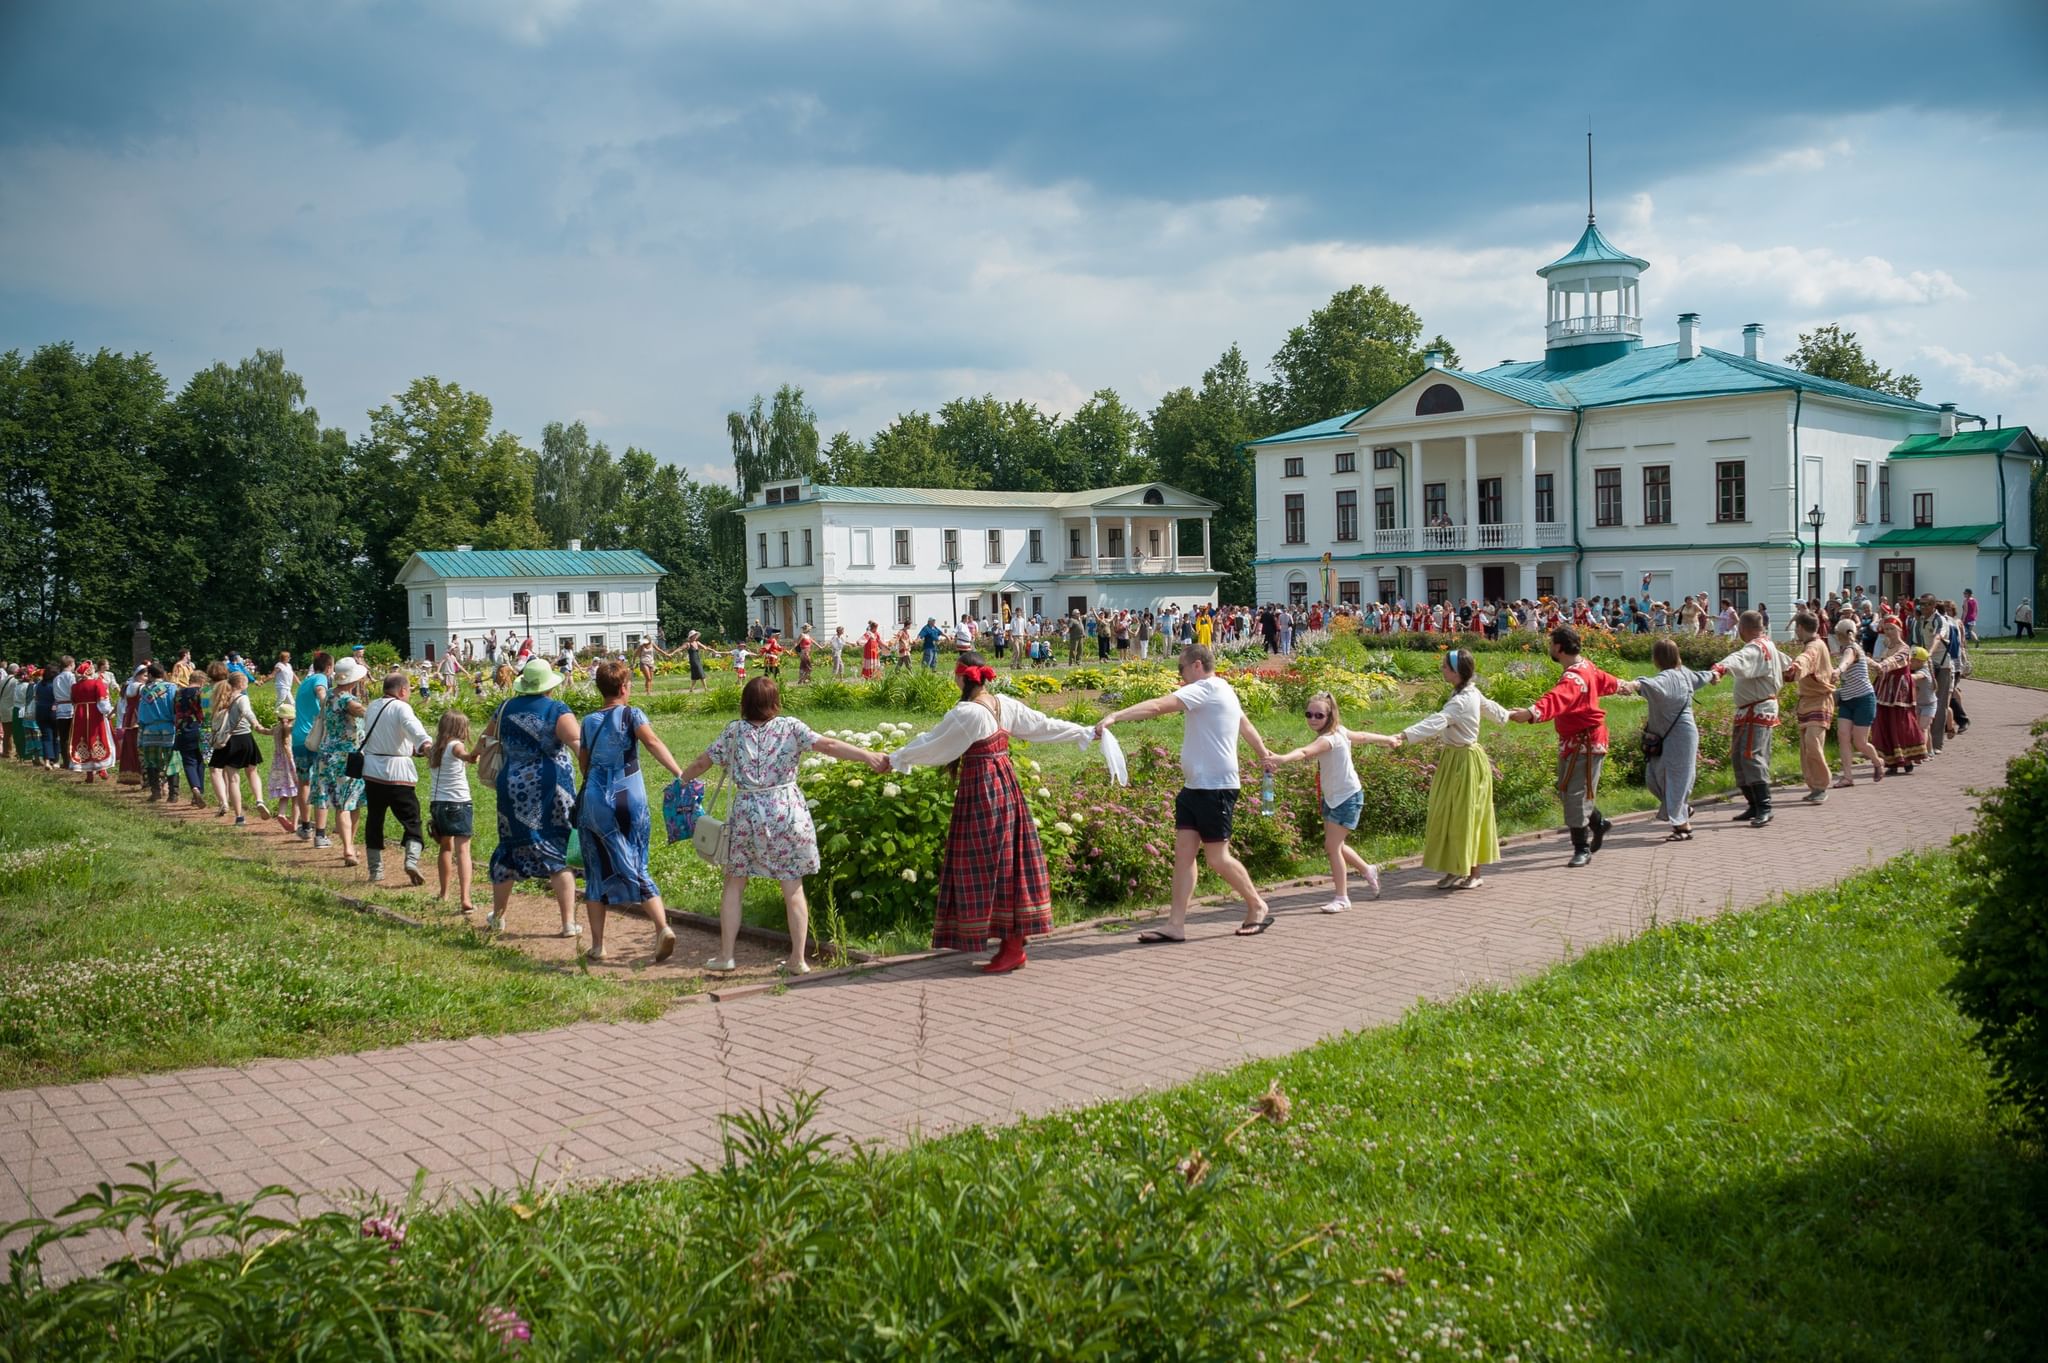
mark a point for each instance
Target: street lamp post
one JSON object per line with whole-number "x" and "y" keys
{"x": 952, "y": 567}
{"x": 1816, "y": 519}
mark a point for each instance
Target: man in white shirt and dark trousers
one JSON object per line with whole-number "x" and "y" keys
{"x": 392, "y": 737}
{"x": 60, "y": 688}
{"x": 1207, "y": 802}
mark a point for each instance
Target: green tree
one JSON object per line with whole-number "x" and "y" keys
{"x": 909, "y": 452}
{"x": 264, "y": 554}
{"x": 676, "y": 521}
{"x": 1099, "y": 446}
{"x": 772, "y": 441}
{"x": 429, "y": 474}
{"x": 1832, "y": 353}
{"x": 82, "y": 506}
{"x": 845, "y": 461}
{"x": 1196, "y": 442}
{"x": 1014, "y": 442}
{"x": 578, "y": 489}
{"x": 1352, "y": 351}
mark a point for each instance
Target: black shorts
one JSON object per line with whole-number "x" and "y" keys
{"x": 1207, "y": 812}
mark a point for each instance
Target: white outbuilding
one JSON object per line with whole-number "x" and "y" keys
{"x": 830, "y": 556}
{"x": 598, "y": 600}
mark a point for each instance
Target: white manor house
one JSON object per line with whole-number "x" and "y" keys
{"x": 1607, "y": 468}
{"x": 830, "y": 556}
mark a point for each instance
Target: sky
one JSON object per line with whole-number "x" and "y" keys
{"x": 638, "y": 215}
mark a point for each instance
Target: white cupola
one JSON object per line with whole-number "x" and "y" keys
{"x": 1595, "y": 301}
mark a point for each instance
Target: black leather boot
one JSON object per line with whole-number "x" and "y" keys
{"x": 1760, "y": 797}
{"x": 1599, "y": 824}
{"x": 1582, "y": 851}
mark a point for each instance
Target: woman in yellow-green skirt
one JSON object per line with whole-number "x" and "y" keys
{"x": 1461, "y": 836}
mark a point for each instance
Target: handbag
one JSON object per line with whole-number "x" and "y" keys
{"x": 708, "y": 834}
{"x": 353, "y": 764}
{"x": 1653, "y": 744}
{"x": 490, "y": 752}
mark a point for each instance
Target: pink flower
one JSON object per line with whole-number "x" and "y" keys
{"x": 506, "y": 1324}
{"x": 389, "y": 1229}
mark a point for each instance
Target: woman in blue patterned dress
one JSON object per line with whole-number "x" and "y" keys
{"x": 616, "y": 828}
{"x": 536, "y": 793}
{"x": 341, "y": 734}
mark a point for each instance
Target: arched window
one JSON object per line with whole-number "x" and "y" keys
{"x": 1153, "y": 497}
{"x": 1439, "y": 397}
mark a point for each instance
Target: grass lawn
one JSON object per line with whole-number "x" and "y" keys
{"x": 2015, "y": 662}
{"x": 1758, "y": 1137}
{"x": 141, "y": 944}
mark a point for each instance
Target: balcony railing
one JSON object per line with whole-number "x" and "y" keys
{"x": 1506, "y": 536}
{"x": 1599, "y": 323}
{"x": 1137, "y": 563}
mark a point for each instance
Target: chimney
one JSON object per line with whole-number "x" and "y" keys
{"x": 1688, "y": 336}
{"x": 461, "y": 548}
{"x": 575, "y": 546}
{"x": 1753, "y": 341}
{"x": 1948, "y": 420}
{"x": 1432, "y": 359}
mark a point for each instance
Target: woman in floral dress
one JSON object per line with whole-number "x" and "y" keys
{"x": 333, "y": 787}
{"x": 768, "y": 831}
{"x": 870, "y": 652}
{"x": 92, "y": 740}
{"x": 536, "y": 793}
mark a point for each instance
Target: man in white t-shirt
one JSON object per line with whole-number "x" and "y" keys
{"x": 1207, "y": 801}
{"x": 283, "y": 677}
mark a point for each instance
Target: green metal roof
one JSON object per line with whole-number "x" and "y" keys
{"x": 776, "y": 589}
{"x": 1593, "y": 249}
{"x": 946, "y": 496}
{"x": 1967, "y": 442}
{"x": 1315, "y": 430}
{"x": 1930, "y": 535}
{"x": 537, "y": 563}
{"x": 1657, "y": 374}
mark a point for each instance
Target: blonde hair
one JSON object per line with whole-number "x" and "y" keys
{"x": 223, "y": 696}
{"x": 453, "y": 728}
{"x": 1328, "y": 702}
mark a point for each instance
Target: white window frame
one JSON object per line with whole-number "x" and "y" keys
{"x": 1037, "y": 546}
{"x": 861, "y": 547}
{"x": 762, "y": 542}
{"x": 594, "y": 602}
{"x": 949, "y": 547}
{"x": 427, "y": 604}
{"x": 784, "y": 537}
{"x": 994, "y": 547}
{"x": 904, "y": 607}
{"x": 901, "y": 553}
{"x": 564, "y": 603}
{"x": 807, "y": 546}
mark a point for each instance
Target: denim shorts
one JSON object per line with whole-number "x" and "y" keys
{"x": 1347, "y": 813}
{"x": 1860, "y": 710}
{"x": 451, "y": 818}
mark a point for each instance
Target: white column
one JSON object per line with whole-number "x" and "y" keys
{"x": 1207, "y": 566}
{"x": 1130, "y": 542}
{"x": 1414, "y": 462}
{"x": 1471, "y": 487}
{"x": 1529, "y": 486}
{"x": 1094, "y": 544}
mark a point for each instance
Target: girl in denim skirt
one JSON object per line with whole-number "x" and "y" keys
{"x": 451, "y": 817}
{"x": 1339, "y": 791}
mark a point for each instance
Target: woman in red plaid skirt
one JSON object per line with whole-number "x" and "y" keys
{"x": 993, "y": 882}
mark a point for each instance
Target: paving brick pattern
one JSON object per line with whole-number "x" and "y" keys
{"x": 932, "y": 1044}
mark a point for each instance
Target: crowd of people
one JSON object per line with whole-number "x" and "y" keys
{"x": 1882, "y": 677}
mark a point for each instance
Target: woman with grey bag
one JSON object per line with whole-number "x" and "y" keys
{"x": 1671, "y": 736}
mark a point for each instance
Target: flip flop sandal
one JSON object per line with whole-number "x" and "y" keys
{"x": 1152, "y": 939}
{"x": 1679, "y": 835}
{"x": 1254, "y": 929}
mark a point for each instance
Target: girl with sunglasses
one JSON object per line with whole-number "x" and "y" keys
{"x": 1339, "y": 791}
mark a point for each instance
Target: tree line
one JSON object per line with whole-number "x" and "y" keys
{"x": 228, "y": 516}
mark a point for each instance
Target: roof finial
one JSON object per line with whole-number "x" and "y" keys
{"x": 1589, "y": 171}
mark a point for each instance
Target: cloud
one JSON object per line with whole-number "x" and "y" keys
{"x": 1991, "y": 373}
{"x": 1813, "y": 278}
{"x": 1802, "y": 160}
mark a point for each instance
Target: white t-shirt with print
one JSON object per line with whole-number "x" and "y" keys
{"x": 1340, "y": 777}
{"x": 1208, "y": 745}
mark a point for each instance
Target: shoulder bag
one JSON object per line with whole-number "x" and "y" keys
{"x": 708, "y": 836}
{"x": 1653, "y": 744}
{"x": 490, "y": 751}
{"x": 353, "y": 763}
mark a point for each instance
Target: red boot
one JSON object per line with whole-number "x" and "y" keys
{"x": 1008, "y": 957}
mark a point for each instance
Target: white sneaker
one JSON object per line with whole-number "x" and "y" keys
{"x": 1337, "y": 906}
{"x": 1372, "y": 879}
{"x": 572, "y": 931}
{"x": 721, "y": 964}
{"x": 494, "y": 922}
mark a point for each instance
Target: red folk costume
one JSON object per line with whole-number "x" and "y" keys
{"x": 1900, "y": 741}
{"x": 1573, "y": 707}
{"x": 92, "y": 739}
{"x": 870, "y": 655}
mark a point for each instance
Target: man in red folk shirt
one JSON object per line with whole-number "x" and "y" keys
{"x": 1573, "y": 705}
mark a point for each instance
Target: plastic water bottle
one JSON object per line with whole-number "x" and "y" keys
{"x": 1266, "y": 796}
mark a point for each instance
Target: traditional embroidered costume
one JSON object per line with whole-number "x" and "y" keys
{"x": 92, "y": 739}
{"x": 1814, "y": 669}
{"x": 1897, "y": 735}
{"x": 1573, "y": 706}
{"x": 1461, "y": 835}
{"x": 1758, "y": 669}
{"x": 993, "y": 881}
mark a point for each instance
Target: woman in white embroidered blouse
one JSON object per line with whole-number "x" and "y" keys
{"x": 993, "y": 881}
{"x": 1462, "y": 835}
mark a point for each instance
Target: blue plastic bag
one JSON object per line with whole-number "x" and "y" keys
{"x": 680, "y": 805}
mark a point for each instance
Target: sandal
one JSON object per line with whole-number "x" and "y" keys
{"x": 1446, "y": 883}
{"x": 666, "y": 946}
{"x": 1469, "y": 883}
{"x": 1254, "y": 929}
{"x": 721, "y": 964}
{"x": 1683, "y": 833}
{"x": 597, "y": 954}
{"x": 1156, "y": 938}
{"x": 1337, "y": 906}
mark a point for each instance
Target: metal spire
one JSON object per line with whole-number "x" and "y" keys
{"x": 1589, "y": 172}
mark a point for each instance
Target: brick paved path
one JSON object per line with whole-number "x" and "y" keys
{"x": 934, "y": 1045}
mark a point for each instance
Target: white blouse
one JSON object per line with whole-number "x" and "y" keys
{"x": 1457, "y": 724}
{"x": 969, "y": 722}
